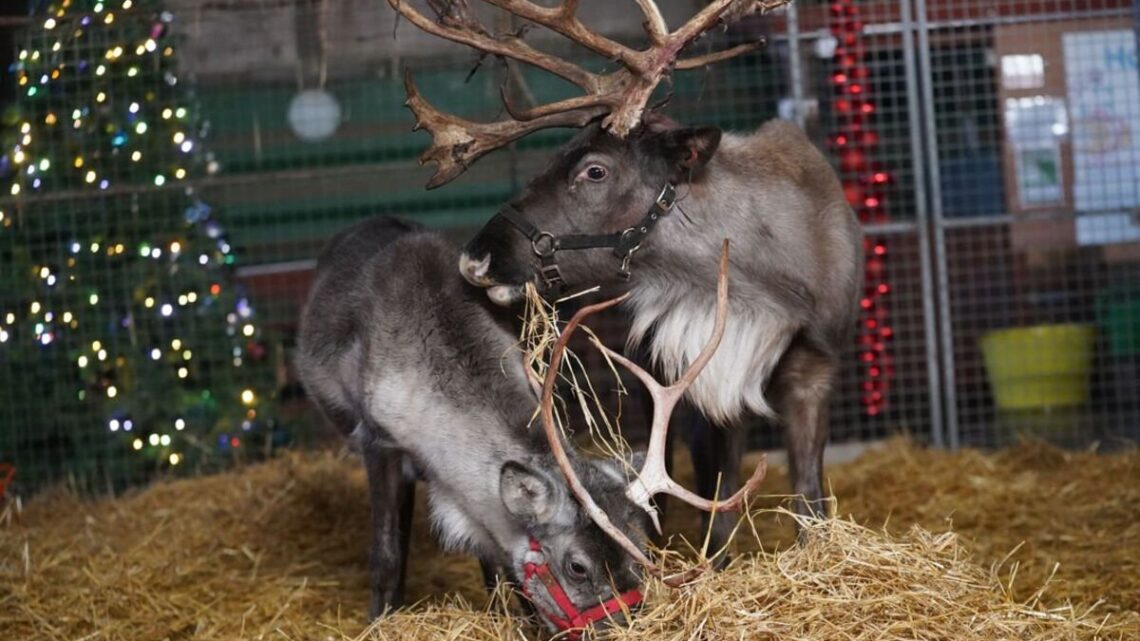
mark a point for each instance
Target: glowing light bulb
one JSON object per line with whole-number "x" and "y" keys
{"x": 167, "y": 309}
{"x": 112, "y": 392}
{"x": 160, "y": 180}
{"x": 133, "y": 108}
{"x": 137, "y": 444}
{"x": 179, "y": 425}
{"x": 153, "y": 439}
{"x": 187, "y": 355}
{"x": 67, "y": 317}
{"x": 176, "y": 344}
{"x": 49, "y": 23}
{"x": 175, "y": 459}
{"x": 183, "y": 372}
{"x": 113, "y": 424}
{"x": 180, "y": 173}
{"x": 149, "y": 302}
{"x": 141, "y": 127}
{"x": 247, "y": 330}
{"x": 90, "y": 177}
{"x": 167, "y": 113}
{"x": 93, "y": 299}
{"x": 155, "y": 354}
{"x": 136, "y": 156}
{"x": 248, "y": 397}
{"x": 102, "y": 355}
{"x": 82, "y": 361}
{"x": 164, "y": 440}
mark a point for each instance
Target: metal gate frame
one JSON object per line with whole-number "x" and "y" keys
{"x": 930, "y": 223}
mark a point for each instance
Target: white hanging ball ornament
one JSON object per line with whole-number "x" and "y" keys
{"x": 314, "y": 114}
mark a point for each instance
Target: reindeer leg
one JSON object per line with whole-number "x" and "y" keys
{"x": 392, "y": 498}
{"x": 803, "y": 383}
{"x": 716, "y": 454}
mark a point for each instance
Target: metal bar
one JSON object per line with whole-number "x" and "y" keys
{"x": 888, "y": 28}
{"x": 269, "y": 269}
{"x": 922, "y": 216}
{"x": 897, "y": 228}
{"x": 795, "y": 65}
{"x": 949, "y": 387}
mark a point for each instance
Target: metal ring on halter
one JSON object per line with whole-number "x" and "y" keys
{"x": 538, "y": 238}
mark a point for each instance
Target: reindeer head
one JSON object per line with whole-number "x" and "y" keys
{"x": 583, "y": 220}
{"x": 604, "y": 187}
{"x": 572, "y": 569}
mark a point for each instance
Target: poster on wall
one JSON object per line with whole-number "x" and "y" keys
{"x": 1034, "y": 125}
{"x": 1103, "y": 88}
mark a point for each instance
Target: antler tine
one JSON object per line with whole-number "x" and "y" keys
{"x": 456, "y": 142}
{"x": 466, "y": 30}
{"x": 654, "y": 22}
{"x": 546, "y": 405}
{"x": 653, "y": 478}
{"x": 564, "y": 21}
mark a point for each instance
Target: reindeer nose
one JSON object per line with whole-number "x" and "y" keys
{"x": 475, "y": 271}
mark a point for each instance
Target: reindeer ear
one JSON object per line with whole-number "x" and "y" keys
{"x": 527, "y": 493}
{"x": 690, "y": 149}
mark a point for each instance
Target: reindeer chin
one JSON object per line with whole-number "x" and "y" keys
{"x": 505, "y": 295}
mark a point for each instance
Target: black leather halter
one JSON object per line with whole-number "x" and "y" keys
{"x": 625, "y": 243}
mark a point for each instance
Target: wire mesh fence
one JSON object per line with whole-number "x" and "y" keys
{"x": 990, "y": 149}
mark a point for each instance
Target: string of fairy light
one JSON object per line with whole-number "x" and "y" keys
{"x": 865, "y": 183}
{"x": 39, "y": 73}
{"x": 39, "y": 69}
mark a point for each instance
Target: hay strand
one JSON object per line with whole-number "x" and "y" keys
{"x": 277, "y": 551}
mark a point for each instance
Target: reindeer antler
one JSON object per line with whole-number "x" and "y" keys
{"x": 623, "y": 94}
{"x": 652, "y": 479}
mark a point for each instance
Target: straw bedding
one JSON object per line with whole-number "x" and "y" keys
{"x": 275, "y": 551}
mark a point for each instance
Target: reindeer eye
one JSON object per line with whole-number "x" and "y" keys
{"x": 576, "y": 570}
{"x": 595, "y": 173}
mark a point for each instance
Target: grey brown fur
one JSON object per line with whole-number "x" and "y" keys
{"x": 795, "y": 274}
{"x": 423, "y": 372}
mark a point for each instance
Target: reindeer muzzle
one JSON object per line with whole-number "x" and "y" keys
{"x": 536, "y": 571}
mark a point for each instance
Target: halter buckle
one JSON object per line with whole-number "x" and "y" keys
{"x": 537, "y": 241}
{"x": 625, "y": 262}
{"x": 551, "y": 277}
{"x": 667, "y": 197}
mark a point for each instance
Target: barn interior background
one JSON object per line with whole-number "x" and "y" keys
{"x": 170, "y": 171}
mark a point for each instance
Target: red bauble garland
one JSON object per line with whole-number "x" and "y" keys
{"x": 864, "y": 183}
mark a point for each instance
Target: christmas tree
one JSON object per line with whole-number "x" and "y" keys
{"x": 126, "y": 346}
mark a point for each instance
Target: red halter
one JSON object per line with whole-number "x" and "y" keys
{"x": 569, "y": 618}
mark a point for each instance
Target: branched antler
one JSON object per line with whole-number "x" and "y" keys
{"x": 652, "y": 479}
{"x": 622, "y": 94}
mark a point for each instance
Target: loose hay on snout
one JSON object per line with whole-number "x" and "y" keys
{"x": 846, "y": 583}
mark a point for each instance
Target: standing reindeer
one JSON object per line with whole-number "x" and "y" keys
{"x": 638, "y": 202}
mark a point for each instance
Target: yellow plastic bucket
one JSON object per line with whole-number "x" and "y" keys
{"x": 1038, "y": 367}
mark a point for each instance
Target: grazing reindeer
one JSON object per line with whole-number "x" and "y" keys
{"x": 424, "y": 374}
{"x": 639, "y": 202}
